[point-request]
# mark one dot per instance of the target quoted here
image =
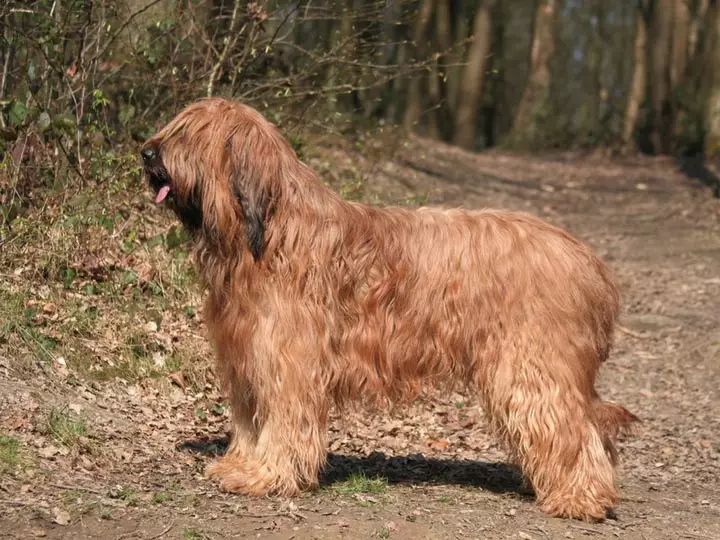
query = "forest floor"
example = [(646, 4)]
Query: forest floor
[(109, 414)]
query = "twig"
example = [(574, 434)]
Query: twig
[(38, 102), (122, 28), (228, 45), (335, 57), (632, 333), (79, 488), (294, 515), (635, 500), (123, 536), (16, 503), (28, 336), (8, 241), (163, 532), (6, 64), (585, 529)]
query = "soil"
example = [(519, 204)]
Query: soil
[(139, 473)]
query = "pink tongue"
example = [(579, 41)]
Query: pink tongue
[(162, 194)]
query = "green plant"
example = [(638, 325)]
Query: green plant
[(359, 483), (161, 497), (9, 453), (129, 495), (66, 428)]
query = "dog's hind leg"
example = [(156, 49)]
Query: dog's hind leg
[(541, 404)]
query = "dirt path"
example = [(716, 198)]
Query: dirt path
[(140, 474)]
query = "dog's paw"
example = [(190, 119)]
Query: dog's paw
[(255, 480)]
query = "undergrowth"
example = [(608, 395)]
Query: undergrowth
[(9, 453), (66, 428), (97, 280)]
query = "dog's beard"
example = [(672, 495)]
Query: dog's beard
[(189, 213)]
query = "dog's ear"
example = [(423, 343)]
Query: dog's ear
[(254, 219), (253, 176)]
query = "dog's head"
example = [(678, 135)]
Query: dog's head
[(218, 165)]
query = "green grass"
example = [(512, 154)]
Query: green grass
[(192, 533), (71, 495), (359, 483), (19, 319), (161, 497), (129, 495), (66, 428), (353, 186), (9, 453), (72, 327), (353, 190), (421, 199)]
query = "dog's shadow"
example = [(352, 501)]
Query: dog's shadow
[(413, 469)]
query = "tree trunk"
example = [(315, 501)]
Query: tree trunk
[(712, 115), (701, 42), (471, 85), (443, 26), (392, 53), (494, 85), (680, 41), (638, 86), (535, 94), (462, 32), (342, 44), (418, 82), (8, 57), (660, 53), (439, 117), (398, 91), (596, 60), (680, 79), (696, 20)]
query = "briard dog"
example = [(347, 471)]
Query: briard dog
[(316, 302)]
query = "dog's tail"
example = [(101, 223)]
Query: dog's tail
[(612, 420)]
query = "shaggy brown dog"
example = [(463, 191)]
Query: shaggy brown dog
[(314, 301)]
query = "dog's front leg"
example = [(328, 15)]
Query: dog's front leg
[(289, 413)]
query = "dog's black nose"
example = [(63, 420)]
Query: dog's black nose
[(148, 154)]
